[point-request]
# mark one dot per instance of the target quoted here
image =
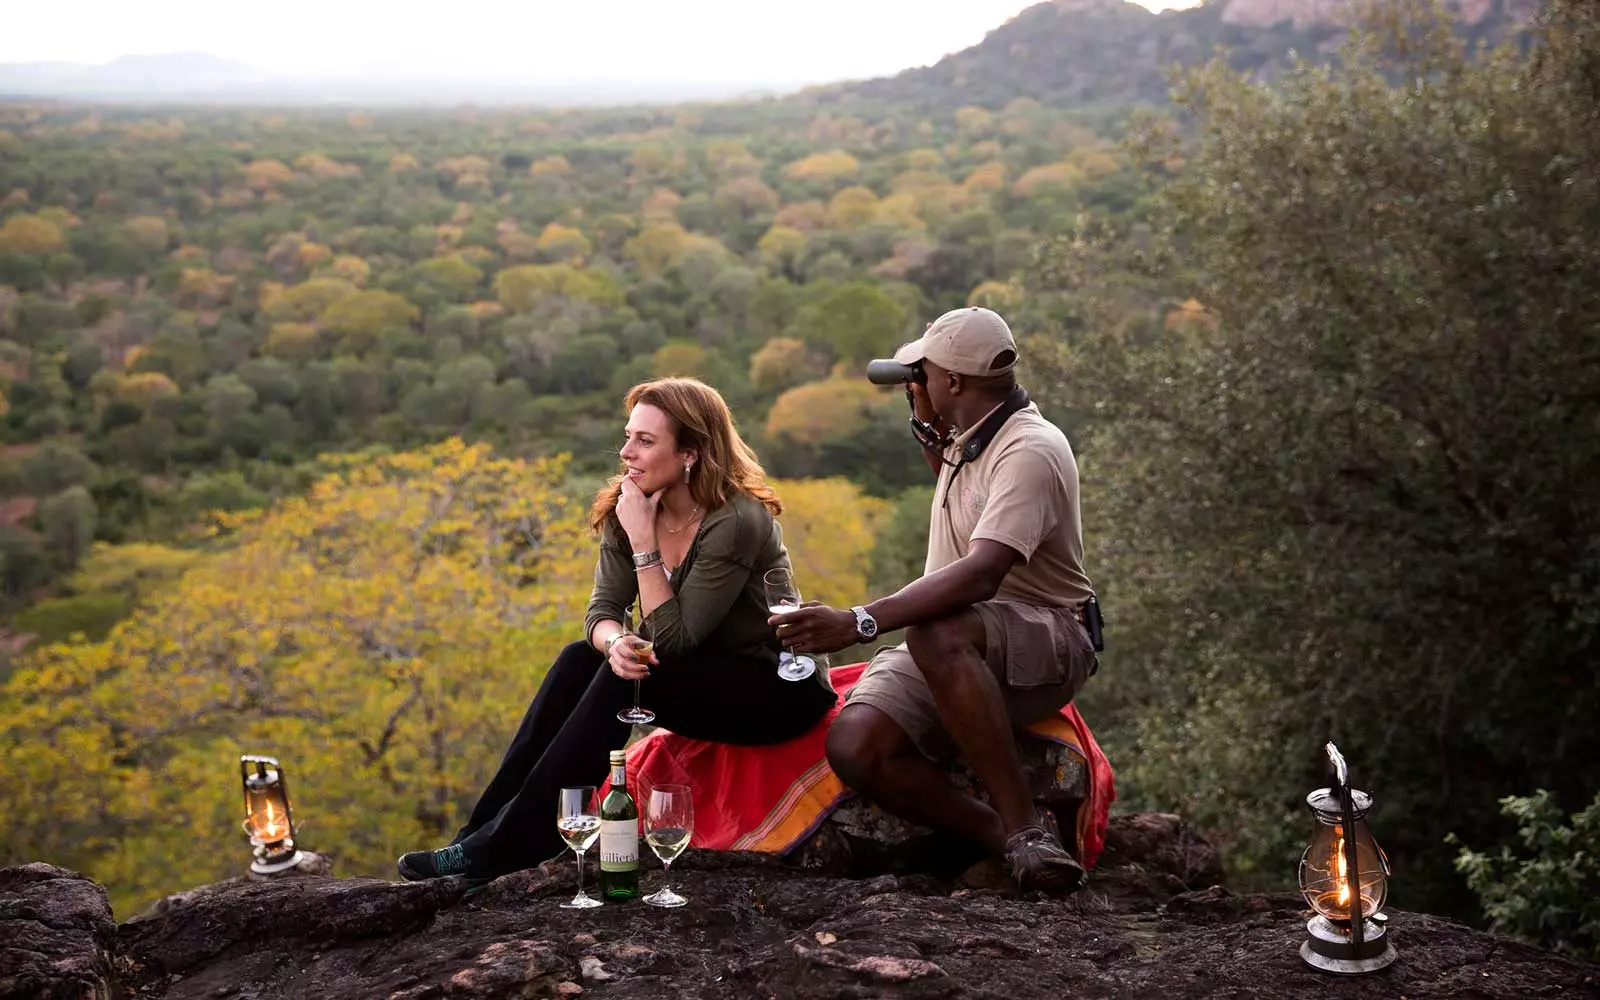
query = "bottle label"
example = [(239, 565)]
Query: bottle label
[(619, 845)]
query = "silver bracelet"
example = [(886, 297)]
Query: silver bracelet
[(613, 641)]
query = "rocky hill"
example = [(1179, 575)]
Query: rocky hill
[(1151, 925), (1114, 52)]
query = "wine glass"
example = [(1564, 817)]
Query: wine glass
[(640, 716), (668, 825), (783, 597), (637, 715), (579, 827)]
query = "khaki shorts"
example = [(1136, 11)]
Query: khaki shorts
[(1040, 656)]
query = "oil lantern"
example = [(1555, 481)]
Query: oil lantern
[(267, 817), (1344, 877)]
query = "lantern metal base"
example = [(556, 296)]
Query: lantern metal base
[(1329, 949), (264, 865)]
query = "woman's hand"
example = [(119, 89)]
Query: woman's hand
[(628, 661), (637, 514)]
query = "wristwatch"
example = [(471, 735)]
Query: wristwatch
[(642, 560), (866, 625)]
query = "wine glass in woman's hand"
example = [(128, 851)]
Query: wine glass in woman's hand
[(783, 597)]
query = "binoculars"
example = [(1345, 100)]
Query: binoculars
[(886, 371)]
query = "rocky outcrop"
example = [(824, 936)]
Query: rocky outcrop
[(57, 937), (758, 927)]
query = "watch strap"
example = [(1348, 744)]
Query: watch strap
[(642, 560)]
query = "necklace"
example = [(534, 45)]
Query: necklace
[(691, 519)]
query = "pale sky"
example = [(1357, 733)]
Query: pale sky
[(679, 40)]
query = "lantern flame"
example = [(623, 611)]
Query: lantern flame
[(272, 828), (1341, 873)]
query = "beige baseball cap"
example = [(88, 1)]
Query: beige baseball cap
[(966, 341)]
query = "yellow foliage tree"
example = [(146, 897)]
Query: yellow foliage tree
[(781, 247), (306, 301), (149, 232), (396, 620), (403, 163), (145, 388), (678, 358), (830, 528), (522, 288), (351, 268), (656, 247), (973, 121), (782, 362), (833, 165), (565, 243), (662, 206), (549, 166), (988, 177), (266, 175), (1050, 177), (451, 274), (996, 295), (819, 412), (805, 216), (202, 288), (31, 234), (852, 208), (292, 341), (362, 317), (311, 256)]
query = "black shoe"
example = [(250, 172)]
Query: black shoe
[(420, 865)]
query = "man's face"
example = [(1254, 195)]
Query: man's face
[(940, 392)]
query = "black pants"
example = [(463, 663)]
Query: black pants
[(572, 724)]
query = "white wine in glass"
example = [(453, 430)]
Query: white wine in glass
[(668, 825), (783, 597), (580, 828), (636, 715)]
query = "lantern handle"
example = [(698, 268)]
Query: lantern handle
[(1341, 770)]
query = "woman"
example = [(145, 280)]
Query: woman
[(687, 529)]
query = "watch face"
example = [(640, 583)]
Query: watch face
[(866, 625)]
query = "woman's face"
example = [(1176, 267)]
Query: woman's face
[(650, 450)]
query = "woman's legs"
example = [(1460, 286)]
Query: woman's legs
[(561, 744), (733, 699), (569, 677)]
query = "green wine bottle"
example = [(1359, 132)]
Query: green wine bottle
[(619, 835)]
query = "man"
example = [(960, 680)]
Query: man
[(994, 633)]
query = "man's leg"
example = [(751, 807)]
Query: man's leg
[(972, 709), (871, 753)]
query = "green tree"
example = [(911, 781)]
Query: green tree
[(1359, 502)]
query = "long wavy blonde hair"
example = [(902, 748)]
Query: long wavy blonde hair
[(700, 420)]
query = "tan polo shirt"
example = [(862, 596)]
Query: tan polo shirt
[(1022, 492)]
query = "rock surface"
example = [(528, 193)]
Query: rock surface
[(56, 935), (757, 927)]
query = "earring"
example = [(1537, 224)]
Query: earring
[(686, 472)]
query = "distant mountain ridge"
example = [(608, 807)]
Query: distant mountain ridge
[(1062, 52), (1110, 52)]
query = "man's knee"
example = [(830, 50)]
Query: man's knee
[(861, 742), (947, 643)]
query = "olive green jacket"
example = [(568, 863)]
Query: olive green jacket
[(718, 602)]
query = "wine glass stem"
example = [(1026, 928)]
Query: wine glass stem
[(666, 877), (580, 872), (636, 694)]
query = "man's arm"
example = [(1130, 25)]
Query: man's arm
[(972, 579), (922, 409)]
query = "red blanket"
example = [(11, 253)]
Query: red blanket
[(770, 798)]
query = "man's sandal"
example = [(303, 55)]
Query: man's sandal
[(1038, 861)]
